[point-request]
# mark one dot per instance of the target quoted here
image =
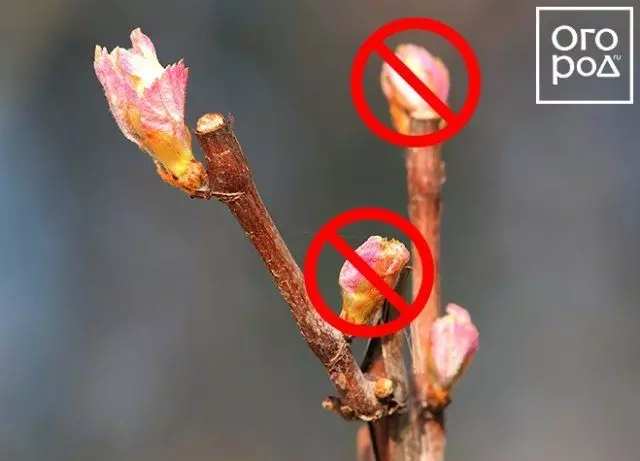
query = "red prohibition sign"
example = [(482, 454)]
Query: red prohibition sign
[(455, 121), (328, 234)]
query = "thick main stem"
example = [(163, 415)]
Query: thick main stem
[(425, 176), (232, 183)]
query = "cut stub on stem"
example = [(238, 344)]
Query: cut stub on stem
[(335, 405)]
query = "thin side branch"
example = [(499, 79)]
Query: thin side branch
[(232, 183), (425, 176)]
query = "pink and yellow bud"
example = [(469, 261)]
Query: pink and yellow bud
[(147, 101), (404, 101), (360, 299), (453, 343)]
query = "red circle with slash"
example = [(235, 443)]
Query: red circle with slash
[(454, 121), (328, 234)]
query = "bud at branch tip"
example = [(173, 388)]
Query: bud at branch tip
[(405, 102), (147, 101)]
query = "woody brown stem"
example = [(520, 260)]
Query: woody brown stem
[(231, 182), (394, 438), (391, 438), (364, 447), (425, 176), (402, 443)]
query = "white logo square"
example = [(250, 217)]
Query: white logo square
[(584, 55)]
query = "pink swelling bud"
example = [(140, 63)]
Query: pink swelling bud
[(404, 101), (453, 341), (360, 299), (147, 101)]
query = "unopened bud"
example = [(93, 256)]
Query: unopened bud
[(383, 388), (360, 299), (404, 101), (453, 343)]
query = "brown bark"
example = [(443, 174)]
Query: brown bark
[(231, 182), (364, 447), (425, 176), (402, 442), (393, 437)]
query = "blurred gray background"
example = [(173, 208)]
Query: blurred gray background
[(136, 324)]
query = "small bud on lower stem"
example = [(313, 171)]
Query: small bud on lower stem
[(453, 343), (383, 388)]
